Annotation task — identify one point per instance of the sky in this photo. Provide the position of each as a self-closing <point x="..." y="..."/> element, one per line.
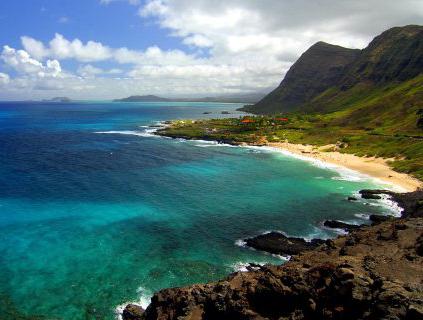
<point x="105" y="49"/>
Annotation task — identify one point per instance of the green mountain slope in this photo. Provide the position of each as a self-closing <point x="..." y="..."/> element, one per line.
<point x="328" y="78"/>
<point x="319" y="68"/>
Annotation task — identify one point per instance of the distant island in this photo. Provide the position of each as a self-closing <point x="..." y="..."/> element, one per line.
<point x="58" y="99"/>
<point x="241" y="98"/>
<point x="147" y="98"/>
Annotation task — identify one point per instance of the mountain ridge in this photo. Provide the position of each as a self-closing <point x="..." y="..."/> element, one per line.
<point x="394" y="56"/>
<point x="240" y="98"/>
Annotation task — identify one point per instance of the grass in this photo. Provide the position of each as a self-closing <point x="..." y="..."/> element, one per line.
<point x="365" y="120"/>
<point x="406" y="152"/>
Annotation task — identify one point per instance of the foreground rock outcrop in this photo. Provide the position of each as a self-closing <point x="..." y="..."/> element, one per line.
<point x="277" y="243"/>
<point x="376" y="272"/>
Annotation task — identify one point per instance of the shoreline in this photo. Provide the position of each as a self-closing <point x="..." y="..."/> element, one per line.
<point x="376" y="168"/>
<point x="372" y="167"/>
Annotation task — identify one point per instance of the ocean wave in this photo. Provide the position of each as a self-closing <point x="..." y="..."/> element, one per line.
<point x="386" y="202"/>
<point x="241" y="243"/>
<point x="147" y="132"/>
<point x="345" y="174"/>
<point x="209" y="143"/>
<point x="143" y="301"/>
<point x="363" y="216"/>
<point x="244" y="266"/>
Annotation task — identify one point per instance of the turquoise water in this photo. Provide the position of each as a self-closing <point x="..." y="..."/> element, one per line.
<point x="89" y="220"/>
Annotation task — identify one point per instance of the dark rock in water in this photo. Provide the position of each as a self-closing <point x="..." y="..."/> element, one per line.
<point x="225" y="112"/>
<point x="277" y="243"/>
<point x="410" y="202"/>
<point x="419" y="245"/>
<point x="371" y="194"/>
<point x="352" y="199"/>
<point x="377" y="218"/>
<point x="132" y="312"/>
<point x="334" y="224"/>
<point x="206" y="112"/>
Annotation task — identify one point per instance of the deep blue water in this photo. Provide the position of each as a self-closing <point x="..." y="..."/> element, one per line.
<point x="91" y="220"/>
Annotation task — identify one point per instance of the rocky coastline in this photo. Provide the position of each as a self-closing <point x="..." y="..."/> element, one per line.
<point x="374" y="272"/>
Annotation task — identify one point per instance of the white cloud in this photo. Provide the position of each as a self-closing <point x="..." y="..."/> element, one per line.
<point x="34" y="47"/>
<point x="90" y="71"/>
<point x="61" y="48"/>
<point x="4" y="78"/>
<point x="198" y="40"/>
<point x="22" y="62"/>
<point x="63" y="20"/>
<point x="234" y="46"/>
<point x="132" y="2"/>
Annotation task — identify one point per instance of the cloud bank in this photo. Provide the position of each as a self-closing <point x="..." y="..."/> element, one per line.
<point x="233" y="46"/>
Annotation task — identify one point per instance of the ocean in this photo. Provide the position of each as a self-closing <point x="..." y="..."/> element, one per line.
<point x="96" y="211"/>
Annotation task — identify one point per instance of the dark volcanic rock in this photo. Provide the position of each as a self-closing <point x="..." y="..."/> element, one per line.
<point x="340" y="225"/>
<point x="371" y="194"/>
<point x="377" y="218"/>
<point x="277" y="243"/>
<point x="132" y="312"/>
<point x="373" y="273"/>
<point x="317" y="284"/>
<point x="352" y="199"/>
<point x="410" y="202"/>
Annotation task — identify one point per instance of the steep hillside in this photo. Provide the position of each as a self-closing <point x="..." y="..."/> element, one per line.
<point x="319" y="68"/>
<point x="346" y="75"/>
<point x="395" y="55"/>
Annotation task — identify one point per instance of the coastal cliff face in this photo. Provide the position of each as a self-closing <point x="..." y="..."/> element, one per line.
<point x="327" y="77"/>
<point x="319" y="68"/>
<point x="373" y="273"/>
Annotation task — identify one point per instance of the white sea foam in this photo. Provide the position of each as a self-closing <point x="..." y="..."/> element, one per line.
<point x="363" y="216"/>
<point x="209" y="143"/>
<point x="386" y="202"/>
<point x="244" y="266"/>
<point x="146" y="133"/>
<point x="345" y="174"/>
<point x="144" y="300"/>
<point x="240" y="243"/>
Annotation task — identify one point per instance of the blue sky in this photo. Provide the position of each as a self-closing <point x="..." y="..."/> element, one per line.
<point x="103" y="49"/>
<point x="116" y="23"/>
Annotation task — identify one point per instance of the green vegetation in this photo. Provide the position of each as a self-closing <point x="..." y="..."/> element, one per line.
<point x="403" y="146"/>
<point x="366" y="102"/>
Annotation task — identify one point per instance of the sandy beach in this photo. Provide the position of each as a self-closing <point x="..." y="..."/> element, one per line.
<point x="374" y="167"/>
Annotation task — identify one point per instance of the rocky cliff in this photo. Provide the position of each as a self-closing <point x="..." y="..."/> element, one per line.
<point x="323" y="74"/>
<point x="319" y="68"/>
<point x="375" y="272"/>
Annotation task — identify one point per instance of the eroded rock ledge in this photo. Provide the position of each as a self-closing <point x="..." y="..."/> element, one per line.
<point x="373" y="273"/>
